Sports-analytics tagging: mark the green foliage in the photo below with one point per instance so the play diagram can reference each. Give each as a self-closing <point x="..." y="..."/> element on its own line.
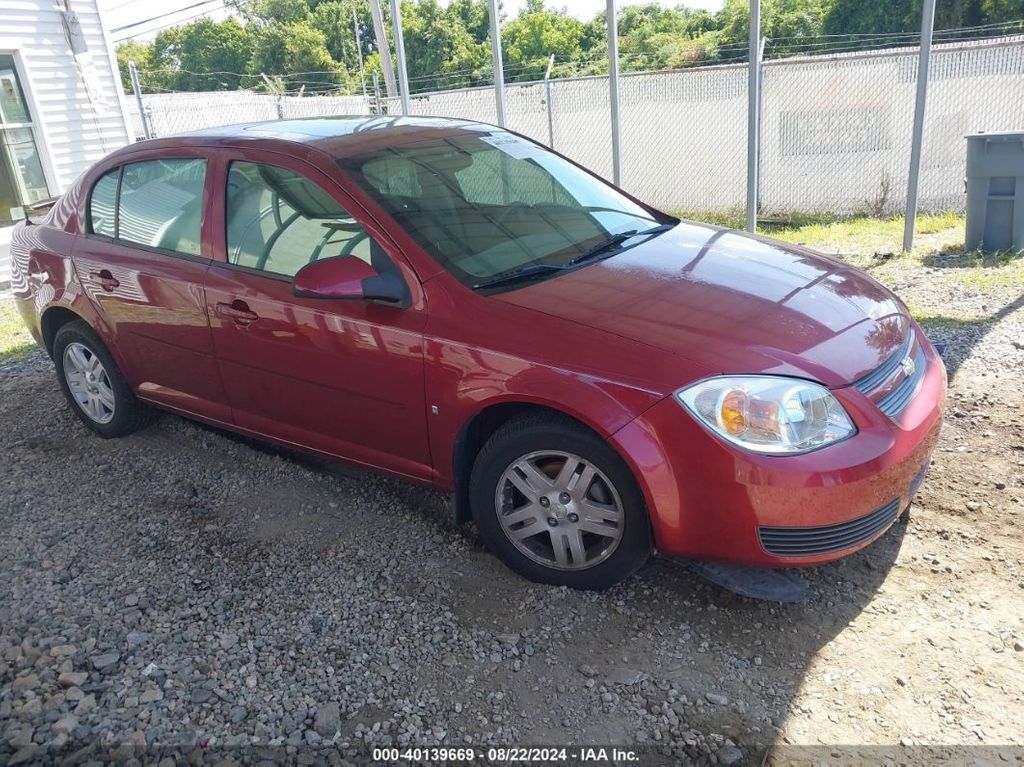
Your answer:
<point x="312" y="43"/>
<point x="530" y="39"/>
<point x="1002" y="9"/>
<point x="296" y="51"/>
<point x="439" y="50"/>
<point x="142" y="55"/>
<point x="334" y="19"/>
<point x="181" y="54"/>
<point x="784" y="22"/>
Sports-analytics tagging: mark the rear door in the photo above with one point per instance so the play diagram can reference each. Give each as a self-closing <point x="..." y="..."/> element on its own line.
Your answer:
<point x="142" y="262"/>
<point x="339" y="376"/>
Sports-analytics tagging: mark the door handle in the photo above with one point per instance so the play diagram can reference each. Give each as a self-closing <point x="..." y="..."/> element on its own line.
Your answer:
<point x="105" y="279"/>
<point x="238" y="311"/>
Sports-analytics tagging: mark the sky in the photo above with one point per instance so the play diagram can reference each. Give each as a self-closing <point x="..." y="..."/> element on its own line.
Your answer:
<point x="121" y="13"/>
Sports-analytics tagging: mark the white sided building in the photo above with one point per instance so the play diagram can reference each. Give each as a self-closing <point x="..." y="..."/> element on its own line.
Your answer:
<point x="61" y="103"/>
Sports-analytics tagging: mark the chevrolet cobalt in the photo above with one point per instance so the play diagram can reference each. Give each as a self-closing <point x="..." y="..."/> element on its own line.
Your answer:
<point x="590" y="378"/>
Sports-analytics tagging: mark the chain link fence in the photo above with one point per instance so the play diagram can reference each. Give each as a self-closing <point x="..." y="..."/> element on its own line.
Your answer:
<point x="170" y="113"/>
<point x="835" y="130"/>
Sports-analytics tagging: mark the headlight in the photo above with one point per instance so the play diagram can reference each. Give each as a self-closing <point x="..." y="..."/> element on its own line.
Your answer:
<point x="766" y="414"/>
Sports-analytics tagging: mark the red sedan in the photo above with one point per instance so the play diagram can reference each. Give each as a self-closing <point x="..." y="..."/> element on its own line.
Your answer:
<point x="453" y="303"/>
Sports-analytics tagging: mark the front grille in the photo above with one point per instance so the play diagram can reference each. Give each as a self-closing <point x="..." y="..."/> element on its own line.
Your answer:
<point x="892" y="404"/>
<point x="807" y="541"/>
<point x="876" y="377"/>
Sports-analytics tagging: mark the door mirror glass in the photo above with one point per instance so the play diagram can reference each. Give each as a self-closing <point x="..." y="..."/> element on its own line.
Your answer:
<point x="348" y="277"/>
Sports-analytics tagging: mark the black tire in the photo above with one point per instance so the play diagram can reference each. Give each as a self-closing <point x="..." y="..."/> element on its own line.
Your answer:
<point x="540" y="432"/>
<point x="129" y="415"/>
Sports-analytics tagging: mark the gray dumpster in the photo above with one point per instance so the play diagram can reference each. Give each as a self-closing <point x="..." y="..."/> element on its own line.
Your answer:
<point x="995" y="191"/>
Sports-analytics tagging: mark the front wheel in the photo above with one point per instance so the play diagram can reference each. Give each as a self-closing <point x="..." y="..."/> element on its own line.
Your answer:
<point x="558" y="505"/>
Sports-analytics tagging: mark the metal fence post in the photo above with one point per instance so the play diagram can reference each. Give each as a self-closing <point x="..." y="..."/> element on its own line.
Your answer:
<point x="547" y="101"/>
<point x="376" y="94"/>
<point x="403" y="74"/>
<point x="753" y="113"/>
<point x="383" y="49"/>
<point x="613" y="91"/>
<point x="499" y="70"/>
<point x="914" y="176"/>
<point x="134" y="74"/>
<point x="359" y="50"/>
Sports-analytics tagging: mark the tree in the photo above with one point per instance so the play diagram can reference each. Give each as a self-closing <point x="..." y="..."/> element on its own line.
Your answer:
<point x="474" y="16"/>
<point x="205" y="55"/>
<point x="995" y="11"/>
<point x="266" y="11"/>
<point x="142" y="55"/>
<point x="439" y="51"/>
<point x="530" y="39"/>
<point x="650" y="36"/>
<point x="298" y="53"/>
<point x="334" y="19"/>
<point x="786" y="23"/>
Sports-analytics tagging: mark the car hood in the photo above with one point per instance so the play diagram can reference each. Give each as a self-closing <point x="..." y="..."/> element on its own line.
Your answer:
<point x="731" y="302"/>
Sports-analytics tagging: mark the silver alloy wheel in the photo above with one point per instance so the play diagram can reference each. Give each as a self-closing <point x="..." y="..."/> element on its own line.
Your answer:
<point x="88" y="382"/>
<point x="559" y="510"/>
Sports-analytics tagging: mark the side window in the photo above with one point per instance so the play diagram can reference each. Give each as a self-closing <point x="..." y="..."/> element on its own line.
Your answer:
<point x="279" y="221"/>
<point x="161" y="204"/>
<point x="102" y="203"/>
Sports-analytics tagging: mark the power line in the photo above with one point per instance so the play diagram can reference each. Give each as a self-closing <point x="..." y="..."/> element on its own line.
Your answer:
<point x="165" y="15"/>
<point x="171" y="25"/>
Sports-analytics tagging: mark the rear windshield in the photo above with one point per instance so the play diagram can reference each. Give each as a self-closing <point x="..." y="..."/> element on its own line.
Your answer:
<point x="484" y="205"/>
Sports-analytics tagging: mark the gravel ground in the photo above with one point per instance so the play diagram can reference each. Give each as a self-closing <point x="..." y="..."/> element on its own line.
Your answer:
<point x="186" y="589"/>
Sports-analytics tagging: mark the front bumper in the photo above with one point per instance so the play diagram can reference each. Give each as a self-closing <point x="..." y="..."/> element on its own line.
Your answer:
<point x="707" y="499"/>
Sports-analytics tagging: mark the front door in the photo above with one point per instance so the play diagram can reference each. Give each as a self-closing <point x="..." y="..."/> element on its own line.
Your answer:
<point x="142" y="262"/>
<point x="341" y="377"/>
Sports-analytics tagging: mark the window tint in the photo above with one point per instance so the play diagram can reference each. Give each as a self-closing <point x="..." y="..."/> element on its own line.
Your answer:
<point x="279" y="221"/>
<point x="521" y="183"/>
<point x="161" y="204"/>
<point x="488" y="204"/>
<point x="102" y="203"/>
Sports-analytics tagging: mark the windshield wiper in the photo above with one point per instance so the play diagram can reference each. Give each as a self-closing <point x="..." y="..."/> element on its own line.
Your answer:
<point x="530" y="271"/>
<point x="521" y="274"/>
<point x="606" y="246"/>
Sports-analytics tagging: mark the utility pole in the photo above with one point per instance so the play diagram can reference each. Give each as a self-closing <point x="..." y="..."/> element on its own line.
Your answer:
<point x="753" y="113"/>
<point x="359" y="50"/>
<point x="499" y="69"/>
<point x="383" y="49"/>
<point x="134" y="73"/>
<point x="613" y="91"/>
<point x="914" y="176"/>
<point x="547" y="98"/>
<point x="403" y="73"/>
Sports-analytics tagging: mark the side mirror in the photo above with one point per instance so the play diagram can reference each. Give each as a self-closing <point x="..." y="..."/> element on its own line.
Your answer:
<point x="349" y="277"/>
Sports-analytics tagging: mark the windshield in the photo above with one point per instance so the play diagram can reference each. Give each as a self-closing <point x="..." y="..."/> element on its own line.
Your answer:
<point x="493" y="204"/>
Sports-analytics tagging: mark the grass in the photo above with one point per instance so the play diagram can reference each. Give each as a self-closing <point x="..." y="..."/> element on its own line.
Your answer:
<point x="15" y="341"/>
<point x="855" y="235"/>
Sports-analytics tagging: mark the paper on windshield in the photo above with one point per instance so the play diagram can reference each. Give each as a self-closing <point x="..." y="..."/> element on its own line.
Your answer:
<point x="513" y="146"/>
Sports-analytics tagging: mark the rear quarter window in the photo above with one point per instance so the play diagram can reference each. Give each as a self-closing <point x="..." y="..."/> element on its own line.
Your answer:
<point x="103" y="203"/>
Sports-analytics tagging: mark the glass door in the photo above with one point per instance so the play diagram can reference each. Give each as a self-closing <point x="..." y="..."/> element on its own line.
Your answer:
<point x="22" y="181"/>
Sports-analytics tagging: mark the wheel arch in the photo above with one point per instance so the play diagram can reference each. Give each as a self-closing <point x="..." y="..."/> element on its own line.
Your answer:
<point x="52" y="320"/>
<point x="479" y="427"/>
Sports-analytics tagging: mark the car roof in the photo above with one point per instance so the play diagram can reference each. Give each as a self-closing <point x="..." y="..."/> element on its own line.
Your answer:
<point x="338" y="135"/>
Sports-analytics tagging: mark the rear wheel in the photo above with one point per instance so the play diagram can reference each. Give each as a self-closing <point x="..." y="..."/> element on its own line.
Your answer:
<point x="558" y="505"/>
<point x="93" y="384"/>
